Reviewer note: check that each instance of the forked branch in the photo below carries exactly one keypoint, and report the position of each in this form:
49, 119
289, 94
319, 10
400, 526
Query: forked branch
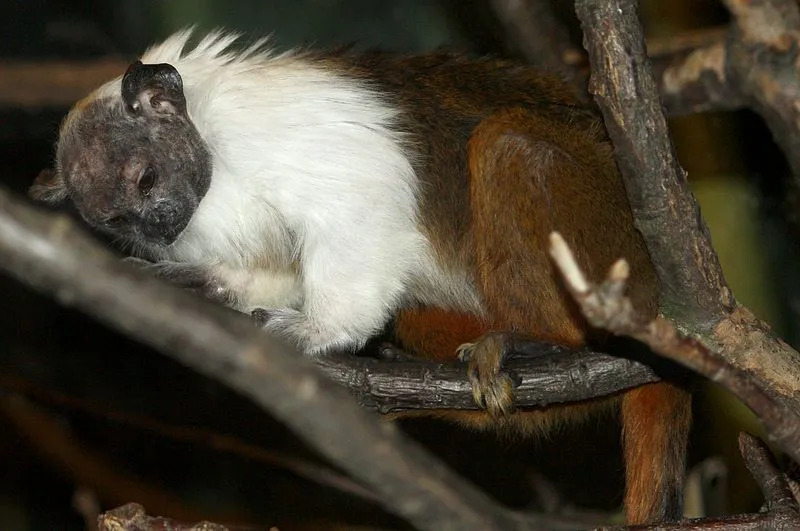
606, 306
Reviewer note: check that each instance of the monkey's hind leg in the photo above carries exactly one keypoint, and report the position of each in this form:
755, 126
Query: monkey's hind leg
529, 176
511, 204
523, 184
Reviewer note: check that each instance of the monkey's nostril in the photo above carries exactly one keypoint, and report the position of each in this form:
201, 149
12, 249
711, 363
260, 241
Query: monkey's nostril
147, 180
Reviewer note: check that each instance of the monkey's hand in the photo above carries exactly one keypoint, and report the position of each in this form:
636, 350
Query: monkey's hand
194, 278
295, 327
492, 388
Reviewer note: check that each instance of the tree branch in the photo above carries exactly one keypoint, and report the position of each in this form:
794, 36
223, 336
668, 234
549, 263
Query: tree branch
694, 292
544, 375
697, 81
534, 29
606, 306
52, 255
693, 288
764, 60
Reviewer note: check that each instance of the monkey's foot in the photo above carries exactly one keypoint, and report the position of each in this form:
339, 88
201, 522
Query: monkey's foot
492, 388
391, 352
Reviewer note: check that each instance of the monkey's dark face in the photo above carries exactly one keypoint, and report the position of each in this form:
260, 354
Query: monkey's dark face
136, 167
133, 175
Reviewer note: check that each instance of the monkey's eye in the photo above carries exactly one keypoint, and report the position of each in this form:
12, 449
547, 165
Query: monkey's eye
114, 222
147, 180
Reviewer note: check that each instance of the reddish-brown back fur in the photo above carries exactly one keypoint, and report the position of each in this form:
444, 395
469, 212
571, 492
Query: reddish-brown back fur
507, 155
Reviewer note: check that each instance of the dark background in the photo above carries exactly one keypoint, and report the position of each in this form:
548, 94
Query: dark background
100, 394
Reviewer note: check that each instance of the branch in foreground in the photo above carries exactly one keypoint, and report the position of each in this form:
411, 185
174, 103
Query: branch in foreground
51, 254
606, 306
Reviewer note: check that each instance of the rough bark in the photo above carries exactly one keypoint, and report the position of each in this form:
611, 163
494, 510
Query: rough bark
694, 292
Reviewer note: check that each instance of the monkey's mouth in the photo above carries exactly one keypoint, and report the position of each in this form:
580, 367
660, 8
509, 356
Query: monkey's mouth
164, 223
163, 234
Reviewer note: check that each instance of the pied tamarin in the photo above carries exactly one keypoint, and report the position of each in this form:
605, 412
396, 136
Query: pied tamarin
338, 191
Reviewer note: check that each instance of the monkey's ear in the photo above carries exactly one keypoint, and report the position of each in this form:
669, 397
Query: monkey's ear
48, 187
153, 89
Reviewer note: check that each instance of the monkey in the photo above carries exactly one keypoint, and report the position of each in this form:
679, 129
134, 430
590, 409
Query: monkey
329, 193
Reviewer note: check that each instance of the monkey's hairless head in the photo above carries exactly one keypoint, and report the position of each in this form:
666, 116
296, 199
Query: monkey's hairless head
133, 163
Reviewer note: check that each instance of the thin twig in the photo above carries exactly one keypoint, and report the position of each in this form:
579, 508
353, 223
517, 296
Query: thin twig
606, 306
771, 480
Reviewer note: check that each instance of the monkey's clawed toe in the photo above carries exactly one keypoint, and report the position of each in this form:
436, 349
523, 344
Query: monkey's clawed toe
492, 389
391, 352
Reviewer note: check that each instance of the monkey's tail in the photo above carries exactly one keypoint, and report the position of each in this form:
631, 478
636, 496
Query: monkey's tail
655, 428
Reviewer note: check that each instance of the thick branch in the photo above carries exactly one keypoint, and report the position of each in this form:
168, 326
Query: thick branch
693, 289
694, 292
545, 375
52, 255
